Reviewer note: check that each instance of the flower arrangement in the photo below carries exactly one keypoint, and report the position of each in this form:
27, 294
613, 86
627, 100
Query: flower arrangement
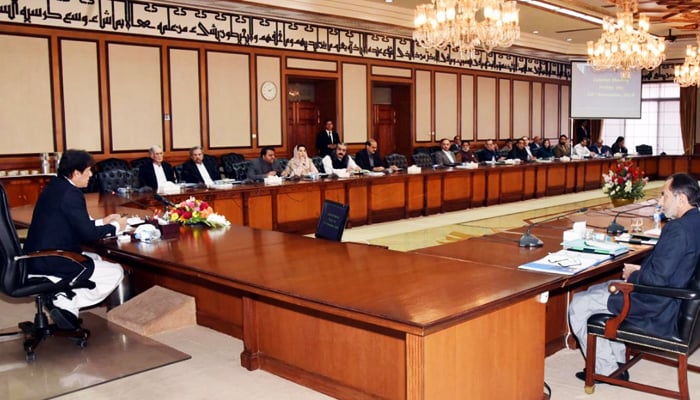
192, 212
625, 181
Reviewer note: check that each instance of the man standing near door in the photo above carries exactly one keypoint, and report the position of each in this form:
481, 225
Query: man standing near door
327, 139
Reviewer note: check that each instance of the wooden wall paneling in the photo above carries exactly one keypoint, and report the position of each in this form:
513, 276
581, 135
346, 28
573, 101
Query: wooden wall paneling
185, 110
229, 103
424, 126
467, 131
493, 188
593, 175
230, 205
259, 208
681, 164
552, 111
570, 170
666, 167
580, 175
356, 194
269, 112
457, 191
529, 183
513, 184
80, 84
433, 194
386, 200
555, 181
446, 115
298, 208
26, 74
521, 109
694, 166
479, 187
355, 100
135, 96
469, 348
536, 112
650, 166
486, 108
415, 199
505, 101
564, 103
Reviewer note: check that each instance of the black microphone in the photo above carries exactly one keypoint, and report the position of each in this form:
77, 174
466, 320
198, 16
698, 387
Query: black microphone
164, 200
616, 228
529, 240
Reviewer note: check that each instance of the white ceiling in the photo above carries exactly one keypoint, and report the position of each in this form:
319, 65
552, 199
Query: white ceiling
559, 36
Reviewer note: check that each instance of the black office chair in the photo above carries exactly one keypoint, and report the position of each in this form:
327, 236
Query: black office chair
15, 282
282, 163
332, 221
137, 163
227, 160
642, 345
112, 163
422, 160
397, 159
318, 163
240, 170
644, 150
112, 180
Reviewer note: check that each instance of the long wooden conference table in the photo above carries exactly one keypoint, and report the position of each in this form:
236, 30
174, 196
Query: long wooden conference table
357, 321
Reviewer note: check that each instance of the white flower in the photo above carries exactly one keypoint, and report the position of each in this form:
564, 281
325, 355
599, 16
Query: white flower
217, 220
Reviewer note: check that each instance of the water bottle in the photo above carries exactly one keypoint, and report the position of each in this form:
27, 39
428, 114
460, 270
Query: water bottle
658, 215
45, 166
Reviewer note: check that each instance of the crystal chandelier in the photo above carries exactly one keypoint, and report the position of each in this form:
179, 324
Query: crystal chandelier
465, 25
622, 46
688, 74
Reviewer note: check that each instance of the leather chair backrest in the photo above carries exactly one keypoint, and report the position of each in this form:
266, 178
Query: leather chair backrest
112, 163
318, 163
397, 159
240, 170
644, 149
178, 172
282, 163
10, 276
689, 314
227, 160
422, 160
112, 180
140, 161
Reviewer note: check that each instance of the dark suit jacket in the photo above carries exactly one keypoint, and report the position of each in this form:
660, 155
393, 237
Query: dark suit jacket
147, 175
362, 160
190, 173
61, 221
488, 155
322, 142
517, 153
671, 264
258, 169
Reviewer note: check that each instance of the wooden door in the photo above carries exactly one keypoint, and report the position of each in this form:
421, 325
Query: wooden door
303, 120
384, 121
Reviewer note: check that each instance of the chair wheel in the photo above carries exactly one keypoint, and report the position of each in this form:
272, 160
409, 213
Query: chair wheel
30, 356
589, 389
82, 343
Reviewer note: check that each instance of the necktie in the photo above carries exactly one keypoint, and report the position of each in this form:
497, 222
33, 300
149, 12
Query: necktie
330, 136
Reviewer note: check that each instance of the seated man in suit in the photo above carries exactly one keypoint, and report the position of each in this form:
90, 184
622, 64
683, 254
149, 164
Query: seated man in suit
563, 148
671, 264
339, 161
263, 166
157, 173
581, 149
61, 221
369, 158
445, 157
200, 170
600, 149
489, 153
519, 151
465, 153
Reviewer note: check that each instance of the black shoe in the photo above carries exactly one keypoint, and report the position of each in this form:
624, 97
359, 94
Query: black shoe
625, 376
64, 319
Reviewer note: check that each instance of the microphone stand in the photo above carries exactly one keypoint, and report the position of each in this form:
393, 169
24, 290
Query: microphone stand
163, 200
530, 240
615, 228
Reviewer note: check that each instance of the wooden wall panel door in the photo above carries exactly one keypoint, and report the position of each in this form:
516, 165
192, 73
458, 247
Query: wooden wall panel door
303, 118
384, 123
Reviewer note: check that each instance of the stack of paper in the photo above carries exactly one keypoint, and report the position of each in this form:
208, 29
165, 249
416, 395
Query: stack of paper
598, 247
566, 262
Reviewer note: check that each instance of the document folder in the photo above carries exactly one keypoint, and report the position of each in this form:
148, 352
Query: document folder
597, 247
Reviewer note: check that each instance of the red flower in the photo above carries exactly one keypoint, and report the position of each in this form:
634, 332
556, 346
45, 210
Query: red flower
203, 205
186, 215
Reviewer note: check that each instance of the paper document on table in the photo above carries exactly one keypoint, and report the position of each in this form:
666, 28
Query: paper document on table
595, 246
636, 239
566, 262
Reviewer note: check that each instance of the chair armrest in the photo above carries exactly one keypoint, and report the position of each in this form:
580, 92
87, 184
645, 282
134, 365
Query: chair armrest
627, 288
74, 257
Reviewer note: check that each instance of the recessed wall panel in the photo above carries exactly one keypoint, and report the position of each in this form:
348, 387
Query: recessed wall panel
269, 110
25, 95
228, 86
354, 103
136, 107
504, 118
564, 117
423, 107
537, 110
486, 108
468, 132
81, 95
445, 105
521, 108
551, 109
185, 115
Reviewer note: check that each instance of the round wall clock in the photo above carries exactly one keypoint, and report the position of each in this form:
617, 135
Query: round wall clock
268, 90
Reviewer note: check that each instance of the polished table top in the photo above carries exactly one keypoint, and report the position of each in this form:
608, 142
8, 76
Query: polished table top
409, 292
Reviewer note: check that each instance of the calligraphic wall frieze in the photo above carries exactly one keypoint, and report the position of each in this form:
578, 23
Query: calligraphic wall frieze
195, 23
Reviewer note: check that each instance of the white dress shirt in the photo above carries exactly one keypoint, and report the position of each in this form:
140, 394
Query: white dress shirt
205, 174
328, 165
160, 175
582, 151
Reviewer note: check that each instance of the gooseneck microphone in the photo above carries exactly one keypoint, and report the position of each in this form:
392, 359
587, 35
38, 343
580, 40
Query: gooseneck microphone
615, 228
530, 240
163, 200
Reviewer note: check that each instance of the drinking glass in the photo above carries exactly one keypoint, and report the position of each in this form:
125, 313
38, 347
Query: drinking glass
637, 224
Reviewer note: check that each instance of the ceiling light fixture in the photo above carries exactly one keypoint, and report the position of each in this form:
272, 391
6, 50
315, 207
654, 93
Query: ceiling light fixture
466, 25
623, 46
688, 74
